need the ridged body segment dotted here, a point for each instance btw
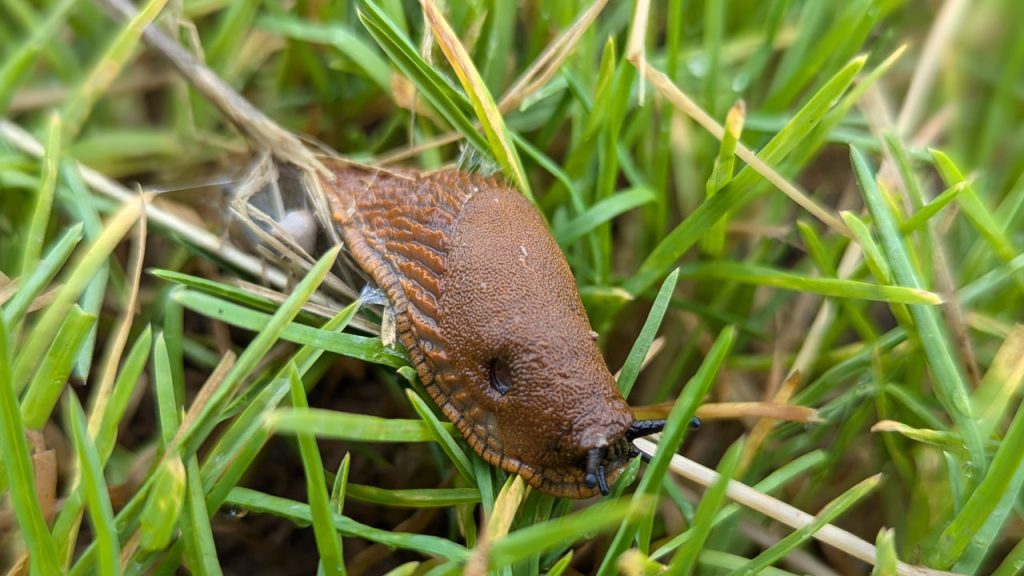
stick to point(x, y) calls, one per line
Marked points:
point(477, 281)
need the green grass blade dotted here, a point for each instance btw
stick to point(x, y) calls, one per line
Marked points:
point(354, 346)
point(300, 513)
point(433, 86)
point(168, 412)
point(196, 529)
point(980, 216)
point(603, 211)
point(442, 436)
point(43, 332)
point(20, 477)
point(327, 542)
point(94, 487)
point(418, 498)
point(872, 254)
point(345, 426)
point(949, 381)
point(635, 359)
point(38, 279)
point(970, 533)
point(260, 345)
point(887, 560)
point(534, 540)
point(340, 487)
point(158, 521)
point(839, 288)
point(36, 236)
point(703, 520)
point(918, 219)
point(722, 173)
point(52, 376)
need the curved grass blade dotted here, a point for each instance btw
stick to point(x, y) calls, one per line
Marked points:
point(351, 345)
point(299, 513)
point(604, 211)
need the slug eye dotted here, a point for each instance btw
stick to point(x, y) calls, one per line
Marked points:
point(500, 376)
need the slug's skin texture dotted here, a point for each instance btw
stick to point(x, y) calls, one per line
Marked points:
point(490, 315)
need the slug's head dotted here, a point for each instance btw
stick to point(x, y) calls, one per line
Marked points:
point(598, 459)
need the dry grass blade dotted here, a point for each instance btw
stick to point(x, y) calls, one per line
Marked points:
point(949, 18)
point(116, 344)
point(635, 48)
point(683, 102)
point(483, 104)
point(193, 234)
point(256, 125)
point(775, 410)
point(782, 512)
point(550, 60)
point(772, 410)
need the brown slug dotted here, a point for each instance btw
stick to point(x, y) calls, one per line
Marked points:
point(488, 310)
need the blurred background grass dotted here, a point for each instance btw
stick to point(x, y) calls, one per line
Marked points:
point(840, 284)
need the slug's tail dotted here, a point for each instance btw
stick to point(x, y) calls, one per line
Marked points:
point(281, 213)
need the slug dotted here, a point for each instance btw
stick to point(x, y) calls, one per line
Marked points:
point(488, 310)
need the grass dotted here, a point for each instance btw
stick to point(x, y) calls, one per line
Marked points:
point(796, 202)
